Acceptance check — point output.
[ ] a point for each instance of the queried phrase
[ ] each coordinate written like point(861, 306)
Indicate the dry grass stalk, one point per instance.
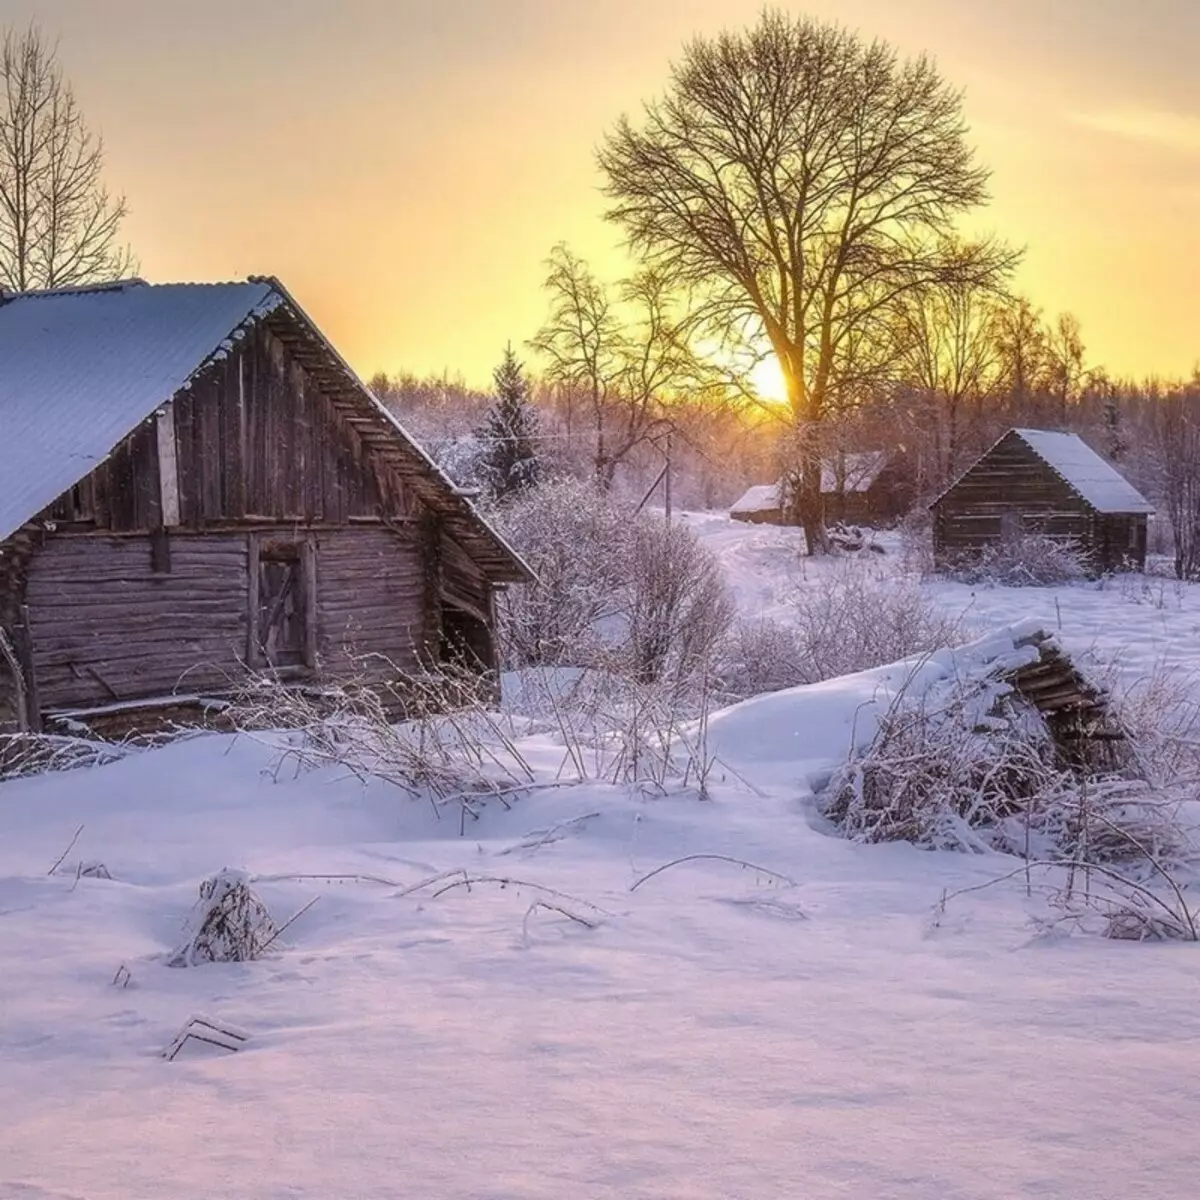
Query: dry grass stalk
point(232, 923)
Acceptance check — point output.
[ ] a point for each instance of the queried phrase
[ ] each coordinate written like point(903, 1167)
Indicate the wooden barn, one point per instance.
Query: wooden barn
point(1036, 481)
point(193, 482)
point(868, 487)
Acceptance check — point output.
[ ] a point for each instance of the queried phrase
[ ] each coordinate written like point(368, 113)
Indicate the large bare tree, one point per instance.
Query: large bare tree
point(59, 225)
point(801, 182)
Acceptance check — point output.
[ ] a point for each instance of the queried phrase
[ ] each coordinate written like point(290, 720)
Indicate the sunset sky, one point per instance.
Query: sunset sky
point(404, 166)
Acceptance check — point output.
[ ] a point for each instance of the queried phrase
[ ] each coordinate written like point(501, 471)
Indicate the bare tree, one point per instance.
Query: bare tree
point(1021, 339)
point(952, 359)
point(1177, 428)
point(1065, 351)
point(801, 181)
point(625, 353)
point(58, 223)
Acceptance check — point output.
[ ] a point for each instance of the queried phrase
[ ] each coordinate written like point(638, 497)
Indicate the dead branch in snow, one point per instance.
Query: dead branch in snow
point(687, 858)
point(556, 832)
point(550, 906)
point(58, 862)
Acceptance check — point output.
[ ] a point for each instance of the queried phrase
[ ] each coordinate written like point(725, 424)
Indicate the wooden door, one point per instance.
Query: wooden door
point(281, 609)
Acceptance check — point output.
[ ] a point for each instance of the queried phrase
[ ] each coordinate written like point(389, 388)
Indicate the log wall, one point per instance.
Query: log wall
point(107, 626)
point(1008, 492)
point(370, 598)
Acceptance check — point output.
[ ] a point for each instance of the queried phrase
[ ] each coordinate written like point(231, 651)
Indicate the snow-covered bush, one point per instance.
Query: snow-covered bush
point(855, 620)
point(843, 622)
point(575, 538)
point(231, 923)
point(679, 607)
point(1031, 560)
point(761, 655)
point(627, 593)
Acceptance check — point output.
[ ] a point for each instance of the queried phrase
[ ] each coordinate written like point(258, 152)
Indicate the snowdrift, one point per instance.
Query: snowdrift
point(803, 733)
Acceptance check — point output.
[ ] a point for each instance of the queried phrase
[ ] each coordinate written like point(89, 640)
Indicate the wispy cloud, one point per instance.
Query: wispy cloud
point(1175, 131)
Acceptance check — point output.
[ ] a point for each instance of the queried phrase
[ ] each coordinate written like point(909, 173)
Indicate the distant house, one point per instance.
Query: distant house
point(760, 505)
point(1036, 481)
point(193, 482)
point(870, 487)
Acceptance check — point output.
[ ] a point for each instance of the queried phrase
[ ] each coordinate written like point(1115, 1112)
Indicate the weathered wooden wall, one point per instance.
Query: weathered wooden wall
point(255, 437)
point(106, 626)
point(1010, 490)
point(370, 599)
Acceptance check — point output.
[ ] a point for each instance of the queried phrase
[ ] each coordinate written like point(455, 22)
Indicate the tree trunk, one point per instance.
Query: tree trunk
point(804, 500)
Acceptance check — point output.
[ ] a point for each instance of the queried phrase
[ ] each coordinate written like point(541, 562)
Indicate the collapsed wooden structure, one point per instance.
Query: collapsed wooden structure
point(194, 483)
point(1075, 710)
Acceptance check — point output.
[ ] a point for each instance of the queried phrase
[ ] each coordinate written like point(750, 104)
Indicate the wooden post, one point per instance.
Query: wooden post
point(168, 466)
point(9, 654)
point(24, 647)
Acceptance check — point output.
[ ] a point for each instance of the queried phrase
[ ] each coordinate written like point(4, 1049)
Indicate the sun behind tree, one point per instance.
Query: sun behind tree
point(801, 182)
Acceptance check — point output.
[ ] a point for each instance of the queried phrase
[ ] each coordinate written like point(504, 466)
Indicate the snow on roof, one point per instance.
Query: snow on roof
point(763, 497)
point(1085, 472)
point(83, 367)
point(859, 470)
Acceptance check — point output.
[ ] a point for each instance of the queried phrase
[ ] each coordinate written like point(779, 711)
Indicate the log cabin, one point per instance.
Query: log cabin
point(194, 483)
point(1039, 481)
point(866, 487)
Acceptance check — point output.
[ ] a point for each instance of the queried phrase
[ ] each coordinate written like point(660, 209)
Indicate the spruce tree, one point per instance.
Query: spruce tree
point(510, 461)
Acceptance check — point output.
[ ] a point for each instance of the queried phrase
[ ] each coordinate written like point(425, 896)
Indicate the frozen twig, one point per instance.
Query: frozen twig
point(739, 862)
point(58, 862)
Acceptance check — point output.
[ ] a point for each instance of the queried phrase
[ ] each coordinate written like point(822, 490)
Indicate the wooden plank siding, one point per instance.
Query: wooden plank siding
point(106, 627)
point(1011, 491)
point(370, 601)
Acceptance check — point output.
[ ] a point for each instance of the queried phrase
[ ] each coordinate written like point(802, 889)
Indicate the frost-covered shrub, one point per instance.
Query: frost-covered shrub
point(844, 622)
point(575, 538)
point(679, 607)
point(1031, 560)
point(855, 620)
point(625, 592)
point(231, 923)
point(762, 655)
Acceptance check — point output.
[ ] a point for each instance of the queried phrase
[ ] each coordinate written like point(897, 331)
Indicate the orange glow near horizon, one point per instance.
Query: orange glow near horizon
point(405, 166)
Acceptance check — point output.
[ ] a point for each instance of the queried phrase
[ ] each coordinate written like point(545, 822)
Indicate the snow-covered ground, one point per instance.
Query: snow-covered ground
point(716, 1032)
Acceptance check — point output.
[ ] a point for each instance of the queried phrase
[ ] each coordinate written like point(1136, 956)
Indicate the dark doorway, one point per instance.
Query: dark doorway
point(466, 640)
point(280, 613)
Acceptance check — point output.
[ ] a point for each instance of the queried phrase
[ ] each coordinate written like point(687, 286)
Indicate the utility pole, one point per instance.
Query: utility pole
point(667, 479)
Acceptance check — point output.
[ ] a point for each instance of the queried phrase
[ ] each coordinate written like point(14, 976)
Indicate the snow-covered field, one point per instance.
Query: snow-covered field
point(717, 1032)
